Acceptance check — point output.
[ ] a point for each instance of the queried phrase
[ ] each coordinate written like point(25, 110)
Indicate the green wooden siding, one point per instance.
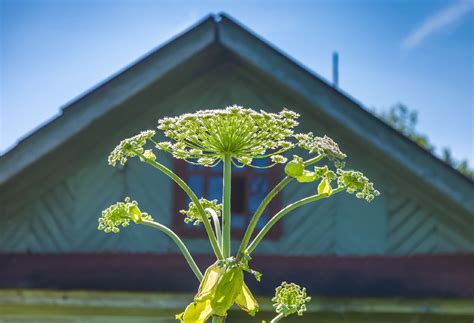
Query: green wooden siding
point(58, 210)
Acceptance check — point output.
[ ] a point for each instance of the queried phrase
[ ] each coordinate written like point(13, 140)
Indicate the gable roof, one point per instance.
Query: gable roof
point(222, 31)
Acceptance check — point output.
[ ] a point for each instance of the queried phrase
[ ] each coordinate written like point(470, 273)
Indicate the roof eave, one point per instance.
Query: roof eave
point(221, 29)
point(345, 111)
point(99, 101)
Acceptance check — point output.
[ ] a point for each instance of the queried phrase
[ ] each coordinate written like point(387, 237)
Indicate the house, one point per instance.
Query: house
point(407, 256)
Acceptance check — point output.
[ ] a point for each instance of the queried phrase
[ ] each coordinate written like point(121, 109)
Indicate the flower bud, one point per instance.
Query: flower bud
point(294, 168)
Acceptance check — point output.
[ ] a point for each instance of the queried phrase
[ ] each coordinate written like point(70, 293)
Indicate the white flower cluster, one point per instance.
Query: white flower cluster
point(321, 145)
point(192, 214)
point(356, 182)
point(129, 146)
point(206, 136)
point(120, 214)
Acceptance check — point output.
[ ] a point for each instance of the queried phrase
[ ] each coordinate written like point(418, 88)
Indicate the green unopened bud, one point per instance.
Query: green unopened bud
point(148, 155)
point(278, 159)
point(295, 167)
point(135, 213)
point(289, 299)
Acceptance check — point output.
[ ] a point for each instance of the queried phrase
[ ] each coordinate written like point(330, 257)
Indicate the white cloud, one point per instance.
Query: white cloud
point(437, 22)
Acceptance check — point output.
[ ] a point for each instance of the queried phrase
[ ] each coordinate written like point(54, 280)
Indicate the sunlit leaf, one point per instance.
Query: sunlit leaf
point(246, 301)
point(324, 187)
point(307, 177)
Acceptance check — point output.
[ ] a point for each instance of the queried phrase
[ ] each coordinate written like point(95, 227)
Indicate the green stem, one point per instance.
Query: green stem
point(253, 222)
point(258, 213)
point(218, 319)
point(170, 233)
point(191, 195)
point(217, 226)
point(283, 212)
point(277, 318)
point(226, 191)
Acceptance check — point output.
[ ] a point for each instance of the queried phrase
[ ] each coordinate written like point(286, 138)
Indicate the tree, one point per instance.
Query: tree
point(405, 120)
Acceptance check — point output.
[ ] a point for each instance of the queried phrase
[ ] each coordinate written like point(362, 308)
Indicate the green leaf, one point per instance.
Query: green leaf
point(307, 177)
point(324, 187)
point(218, 291)
point(227, 290)
point(246, 301)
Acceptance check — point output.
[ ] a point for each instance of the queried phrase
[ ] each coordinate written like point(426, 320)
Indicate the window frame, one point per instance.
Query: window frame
point(180, 168)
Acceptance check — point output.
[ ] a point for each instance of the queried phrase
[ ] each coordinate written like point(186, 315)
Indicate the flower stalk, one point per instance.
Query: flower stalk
point(277, 217)
point(226, 203)
point(217, 226)
point(182, 247)
point(193, 198)
point(261, 208)
point(277, 318)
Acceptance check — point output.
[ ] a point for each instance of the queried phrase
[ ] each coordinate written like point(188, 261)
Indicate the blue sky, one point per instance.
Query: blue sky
point(419, 53)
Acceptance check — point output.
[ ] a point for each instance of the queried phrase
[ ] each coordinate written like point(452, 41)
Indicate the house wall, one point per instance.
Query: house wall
point(57, 212)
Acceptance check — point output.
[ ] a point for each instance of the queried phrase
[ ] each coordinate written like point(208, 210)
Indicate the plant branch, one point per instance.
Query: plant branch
point(217, 226)
point(170, 233)
point(258, 213)
point(283, 212)
point(256, 216)
point(277, 318)
point(191, 195)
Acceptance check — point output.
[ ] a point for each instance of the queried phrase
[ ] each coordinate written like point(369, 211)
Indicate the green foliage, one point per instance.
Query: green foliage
point(235, 136)
point(401, 118)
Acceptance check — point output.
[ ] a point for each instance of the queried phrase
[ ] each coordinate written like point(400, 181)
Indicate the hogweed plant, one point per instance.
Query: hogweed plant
point(235, 136)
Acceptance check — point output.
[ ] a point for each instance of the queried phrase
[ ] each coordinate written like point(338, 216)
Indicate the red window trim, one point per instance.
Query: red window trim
point(179, 198)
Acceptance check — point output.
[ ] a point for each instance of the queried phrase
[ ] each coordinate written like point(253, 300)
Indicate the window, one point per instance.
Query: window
point(249, 188)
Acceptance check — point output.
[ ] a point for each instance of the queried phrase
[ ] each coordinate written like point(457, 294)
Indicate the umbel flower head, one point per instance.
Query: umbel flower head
point(192, 214)
point(321, 145)
point(120, 214)
point(290, 298)
point(130, 146)
point(206, 136)
point(356, 182)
